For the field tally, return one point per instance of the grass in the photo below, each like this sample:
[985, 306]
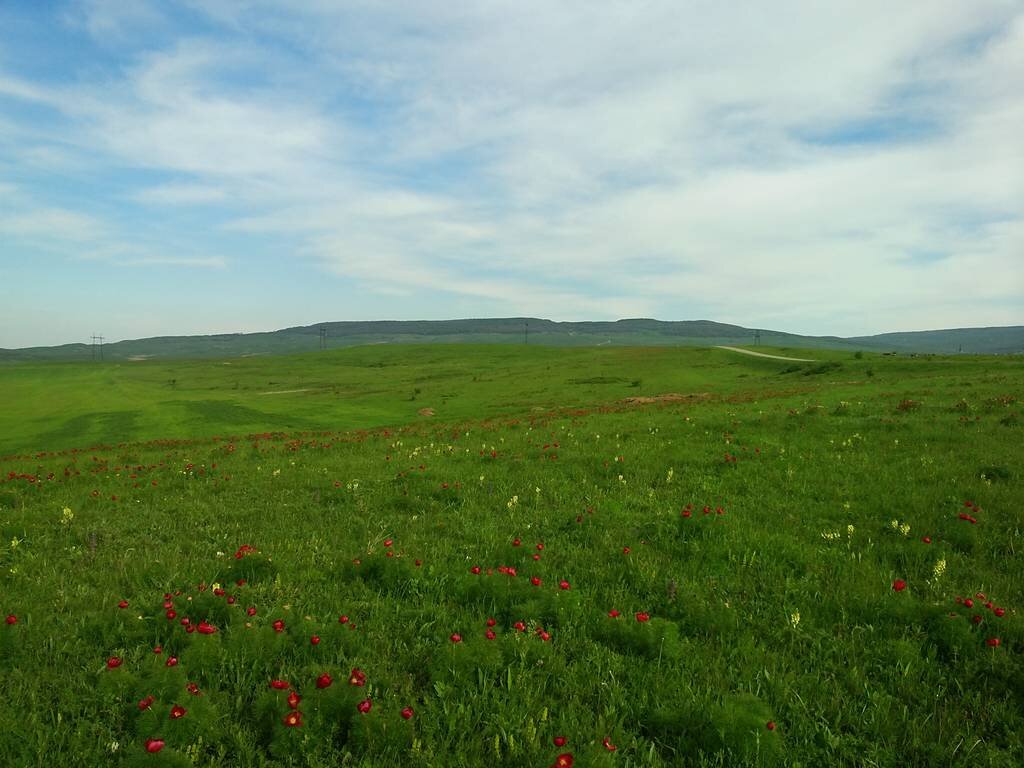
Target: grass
[759, 529]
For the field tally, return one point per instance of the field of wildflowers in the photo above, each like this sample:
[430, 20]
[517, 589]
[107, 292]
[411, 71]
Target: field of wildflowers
[800, 569]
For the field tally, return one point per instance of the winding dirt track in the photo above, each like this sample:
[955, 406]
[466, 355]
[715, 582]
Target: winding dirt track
[762, 354]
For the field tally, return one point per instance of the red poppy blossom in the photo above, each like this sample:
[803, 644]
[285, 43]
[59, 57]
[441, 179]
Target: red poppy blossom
[520, 626]
[992, 642]
[607, 742]
[642, 617]
[927, 539]
[517, 543]
[123, 604]
[293, 700]
[899, 585]
[559, 741]
[11, 619]
[364, 706]
[489, 634]
[193, 688]
[251, 610]
[154, 745]
[114, 662]
[172, 661]
[324, 681]
[314, 640]
[407, 713]
[535, 581]
[157, 649]
[563, 584]
[614, 613]
[1000, 612]
[456, 637]
[475, 570]
[770, 725]
[293, 719]
[564, 760]
[206, 628]
[278, 625]
[491, 622]
[146, 703]
[343, 619]
[968, 603]
[357, 677]
[178, 712]
[279, 685]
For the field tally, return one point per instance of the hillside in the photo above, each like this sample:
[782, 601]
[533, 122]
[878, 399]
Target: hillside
[518, 330]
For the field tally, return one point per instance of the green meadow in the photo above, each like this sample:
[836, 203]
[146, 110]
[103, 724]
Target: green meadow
[522, 556]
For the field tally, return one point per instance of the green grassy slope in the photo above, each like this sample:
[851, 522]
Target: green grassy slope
[750, 541]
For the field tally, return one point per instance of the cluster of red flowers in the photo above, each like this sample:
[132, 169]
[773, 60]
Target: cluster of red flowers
[968, 517]
[976, 618]
[687, 511]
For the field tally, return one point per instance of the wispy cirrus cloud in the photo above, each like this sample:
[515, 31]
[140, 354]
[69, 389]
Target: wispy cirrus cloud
[676, 160]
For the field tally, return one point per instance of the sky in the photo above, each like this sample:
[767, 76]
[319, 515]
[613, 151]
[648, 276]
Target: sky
[209, 166]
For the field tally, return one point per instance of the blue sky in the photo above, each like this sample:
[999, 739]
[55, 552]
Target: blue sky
[214, 166]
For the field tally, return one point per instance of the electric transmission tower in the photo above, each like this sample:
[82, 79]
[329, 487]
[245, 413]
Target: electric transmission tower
[323, 337]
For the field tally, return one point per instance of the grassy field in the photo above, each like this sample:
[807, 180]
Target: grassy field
[589, 557]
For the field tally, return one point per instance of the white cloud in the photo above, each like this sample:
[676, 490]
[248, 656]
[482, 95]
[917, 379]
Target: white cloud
[595, 160]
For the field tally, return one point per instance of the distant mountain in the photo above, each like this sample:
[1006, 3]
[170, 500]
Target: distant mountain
[520, 330]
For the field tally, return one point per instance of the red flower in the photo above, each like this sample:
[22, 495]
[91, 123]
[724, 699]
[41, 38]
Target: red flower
[475, 570]
[206, 628]
[899, 585]
[407, 713]
[543, 635]
[293, 700]
[1000, 612]
[968, 603]
[770, 725]
[154, 745]
[293, 719]
[324, 681]
[114, 662]
[11, 619]
[976, 619]
[614, 613]
[357, 678]
[491, 622]
[456, 637]
[171, 614]
[388, 542]
[517, 543]
[520, 626]
[608, 744]
[177, 712]
[489, 634]
[251, 610]
[343, 619]
[563, 584]
[193, 688]
[314, 640]
[535, 581]
[123, 604]
[279, 685]
[927, 539]
[364, 706]
[540, 547]
[172, 661]
[146, 703]
[536, 557]
[642, 617]
[158, 649]
[992, 642]
[625, 550]
[278, 625]
[563, 761]
[559, 741]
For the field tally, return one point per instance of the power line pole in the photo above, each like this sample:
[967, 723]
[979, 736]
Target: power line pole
[101, 348]
[757, 338]
[323, 337]
[526, 331]
[97, 344]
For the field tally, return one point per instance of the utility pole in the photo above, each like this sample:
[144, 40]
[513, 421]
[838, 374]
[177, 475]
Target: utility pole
[526, 331]
[323, 337]
[757, 338]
